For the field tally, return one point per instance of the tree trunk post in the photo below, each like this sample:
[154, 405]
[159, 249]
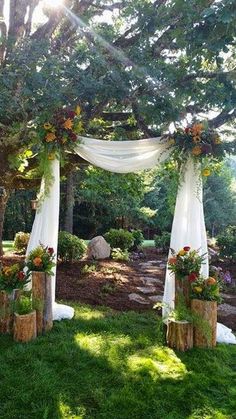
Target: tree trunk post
[6, 310]
[4, 195]
[69, 203]
[42, 298]
[179, 335]
[182, 291]
[207, 310]
[24, 327]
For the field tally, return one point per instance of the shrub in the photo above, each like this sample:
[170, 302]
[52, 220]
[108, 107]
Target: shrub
[118, 254]
[23, 305]
[227, 243]
[138, 238]
[70, 247]
[121, 239]
[21, 241]
[163, 241]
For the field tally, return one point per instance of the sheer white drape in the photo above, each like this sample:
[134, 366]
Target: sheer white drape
[45, 231]
[125, 157]
[188, 228]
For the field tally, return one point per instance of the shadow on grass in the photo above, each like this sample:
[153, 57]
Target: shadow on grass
[104, 365]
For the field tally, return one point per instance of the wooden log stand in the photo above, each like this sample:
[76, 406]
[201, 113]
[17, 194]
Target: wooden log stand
[42, 298]
[207, 310]
[6, 312]
[182, 291]
[24, 328]
[179, 335]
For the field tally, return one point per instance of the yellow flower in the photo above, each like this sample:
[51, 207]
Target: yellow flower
[206, 172]
[50, 137]
[7, 271]
[78, 110]
[217, 140]
[171, 141]
[182, 252]
[198, 289]
[68, 124]
[51, 156]
[197, 150]
[47, 125]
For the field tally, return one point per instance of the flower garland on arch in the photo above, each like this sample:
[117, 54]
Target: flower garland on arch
[56, 135]
[202, 144]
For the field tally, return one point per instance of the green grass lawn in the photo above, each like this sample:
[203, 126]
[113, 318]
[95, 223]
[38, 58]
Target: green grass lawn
[107, 365]
[7, 245]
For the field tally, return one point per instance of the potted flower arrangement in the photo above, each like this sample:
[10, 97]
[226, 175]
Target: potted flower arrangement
[12, 280]
[186, 266]
[40, 263]
[24, 328]
[205, 294]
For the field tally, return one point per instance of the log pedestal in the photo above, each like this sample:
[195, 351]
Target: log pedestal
[42, 300]
[207, 310]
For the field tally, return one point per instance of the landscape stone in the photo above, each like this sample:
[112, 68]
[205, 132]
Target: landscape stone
[147, 290]
[156, 298]
[98, 248]
[138, 299]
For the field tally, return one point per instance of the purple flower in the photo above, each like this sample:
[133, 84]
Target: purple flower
[206, 149]
[227, 277]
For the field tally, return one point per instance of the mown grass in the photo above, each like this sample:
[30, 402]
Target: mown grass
[107, 365]
[7, 245]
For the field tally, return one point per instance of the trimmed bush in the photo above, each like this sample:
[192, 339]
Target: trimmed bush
[70, 247]
[163, 241]
[227, 243]
[21, 241]
[138, 238]
[121, 239]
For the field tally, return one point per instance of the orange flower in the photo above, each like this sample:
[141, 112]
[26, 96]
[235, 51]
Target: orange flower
[211, 281]
[172, 261]
[50, 137]
[68, 124]
[197, 150]
[197, 129]
[37, 261]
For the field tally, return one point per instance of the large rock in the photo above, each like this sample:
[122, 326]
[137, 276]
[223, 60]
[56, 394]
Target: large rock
[98, 248]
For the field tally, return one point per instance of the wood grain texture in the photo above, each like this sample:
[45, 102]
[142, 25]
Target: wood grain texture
[208, 311]
[179, 335]
[42, 297]
[24, 329]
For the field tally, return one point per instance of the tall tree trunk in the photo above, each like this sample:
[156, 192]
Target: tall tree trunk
[70, 200]
[4, 195]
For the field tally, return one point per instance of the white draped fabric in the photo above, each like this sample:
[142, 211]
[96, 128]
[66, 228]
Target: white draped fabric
[188, 228]
[125, 157]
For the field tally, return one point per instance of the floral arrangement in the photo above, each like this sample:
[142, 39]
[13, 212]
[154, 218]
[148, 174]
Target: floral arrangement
[41, 259]
[204, 145]
[206, 289]
[186, 264]
[12, 277]
[60, 131]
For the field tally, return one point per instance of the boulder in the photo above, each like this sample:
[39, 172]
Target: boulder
[98, 248]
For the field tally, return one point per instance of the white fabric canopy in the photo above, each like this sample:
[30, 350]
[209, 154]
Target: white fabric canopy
[125, 157]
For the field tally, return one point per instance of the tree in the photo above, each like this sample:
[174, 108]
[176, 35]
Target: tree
[154, 63]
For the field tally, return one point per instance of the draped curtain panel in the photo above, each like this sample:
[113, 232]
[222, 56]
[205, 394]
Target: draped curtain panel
[125, 157]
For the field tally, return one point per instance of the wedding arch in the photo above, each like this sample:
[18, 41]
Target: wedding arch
[124, 157]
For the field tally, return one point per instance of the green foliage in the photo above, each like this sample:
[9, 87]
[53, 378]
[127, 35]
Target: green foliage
[21, 241]
[12, 277]
[138, 238]
[227, 243]
[207, 289]
[23, 305]
[121, 238]
[70, 247]
[121, 255]
[162, 241]
[89, 268]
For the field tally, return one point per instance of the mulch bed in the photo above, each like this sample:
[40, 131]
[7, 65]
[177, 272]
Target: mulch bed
[111, 283]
